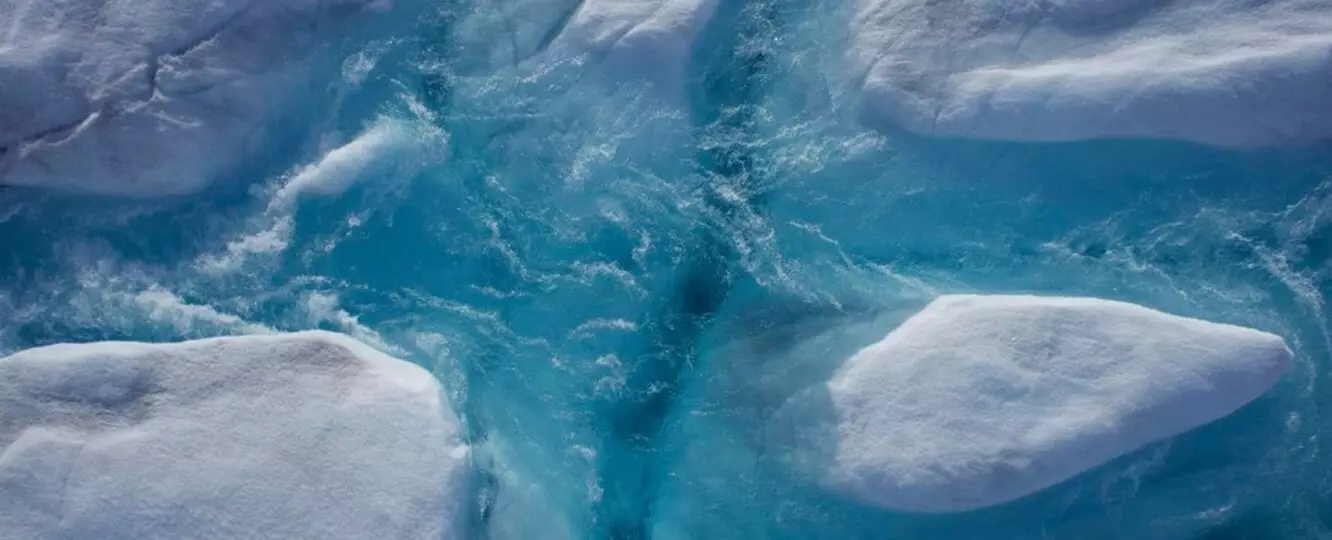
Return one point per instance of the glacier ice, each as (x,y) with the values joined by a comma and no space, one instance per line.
(979,400)
(305,435)
(634,238)
(1220,72)
(152,98)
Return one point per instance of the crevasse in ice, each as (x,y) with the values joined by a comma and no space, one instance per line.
(649,249)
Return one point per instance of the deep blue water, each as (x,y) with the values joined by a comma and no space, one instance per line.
(606,275)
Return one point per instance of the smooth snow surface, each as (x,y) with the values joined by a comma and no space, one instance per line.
(1220,72)
(306,435)
(147,98)
(979,400)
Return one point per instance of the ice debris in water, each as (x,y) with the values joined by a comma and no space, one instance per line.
(305,435)
(979,400)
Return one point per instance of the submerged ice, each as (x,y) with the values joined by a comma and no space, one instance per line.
(680,267)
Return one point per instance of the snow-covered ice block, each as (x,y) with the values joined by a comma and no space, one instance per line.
(979,400)
(643,37)
(1222,72)
(632,38)
(149,97)
(307,435)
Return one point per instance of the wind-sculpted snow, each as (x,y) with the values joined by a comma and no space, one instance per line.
(978,400)
(1220,72)
(309,435)
(152,98)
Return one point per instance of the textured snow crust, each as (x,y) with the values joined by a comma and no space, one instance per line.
(151,98)
(1220,72)
(306,435)
(979,400)
(641,36)
(648,39)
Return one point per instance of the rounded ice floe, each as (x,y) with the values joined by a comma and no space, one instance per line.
(1220,72)
(308,435)
(979,400)
(149,97)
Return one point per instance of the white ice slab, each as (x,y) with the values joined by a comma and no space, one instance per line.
(308,435)
(1222,72)
(150,97)
(979,400)
(650,38)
